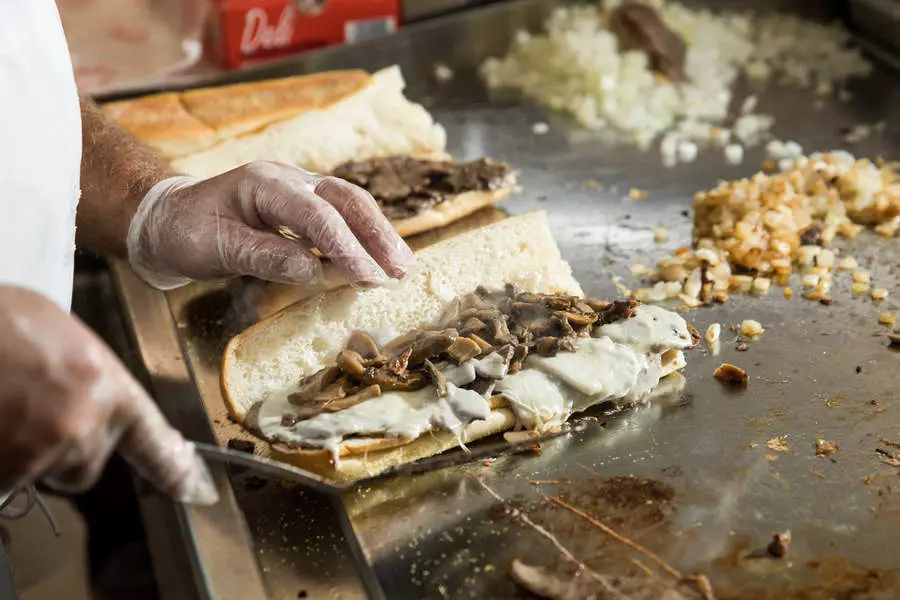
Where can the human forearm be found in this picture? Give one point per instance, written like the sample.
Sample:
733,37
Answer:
116,173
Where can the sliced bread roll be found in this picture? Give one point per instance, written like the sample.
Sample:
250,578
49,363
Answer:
163,123
315,122
374,120
301,339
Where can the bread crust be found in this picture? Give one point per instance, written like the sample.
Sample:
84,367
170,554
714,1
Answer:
162,122
178,124
448,211
374,461
235,110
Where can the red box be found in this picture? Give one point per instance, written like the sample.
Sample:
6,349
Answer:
246,31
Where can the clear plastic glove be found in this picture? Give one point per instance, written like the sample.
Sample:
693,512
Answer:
228,225
67,403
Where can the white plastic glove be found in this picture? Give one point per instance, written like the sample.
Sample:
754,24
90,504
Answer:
188,229
67,403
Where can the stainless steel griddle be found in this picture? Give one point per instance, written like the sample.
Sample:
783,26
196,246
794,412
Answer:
691,479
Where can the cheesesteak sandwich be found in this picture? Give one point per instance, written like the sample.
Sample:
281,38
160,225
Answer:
489,335
357,126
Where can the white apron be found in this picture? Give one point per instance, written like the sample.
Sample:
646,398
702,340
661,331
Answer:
40,150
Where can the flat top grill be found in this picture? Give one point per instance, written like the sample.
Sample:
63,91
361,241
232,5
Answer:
689,479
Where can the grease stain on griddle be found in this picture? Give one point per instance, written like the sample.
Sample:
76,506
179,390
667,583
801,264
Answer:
744,572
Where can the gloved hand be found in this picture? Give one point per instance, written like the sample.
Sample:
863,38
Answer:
189,229
67,403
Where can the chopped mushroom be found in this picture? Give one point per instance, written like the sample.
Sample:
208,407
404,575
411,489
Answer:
730,374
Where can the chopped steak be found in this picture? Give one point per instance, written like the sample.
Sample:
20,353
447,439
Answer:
638,26
403,186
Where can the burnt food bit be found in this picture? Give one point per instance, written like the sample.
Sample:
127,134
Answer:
825,447
242,445
638,26
404,186
812,235
780,544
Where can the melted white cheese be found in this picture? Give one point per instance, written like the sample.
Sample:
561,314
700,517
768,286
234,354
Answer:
599,367
622,361
492,366
651,329
539,402
460,375
393,414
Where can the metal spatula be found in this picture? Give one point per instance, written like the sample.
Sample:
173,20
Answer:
273,468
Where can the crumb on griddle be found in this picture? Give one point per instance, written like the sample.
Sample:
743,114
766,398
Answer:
741,347
732,375
780,544
242,445
778,444
825,447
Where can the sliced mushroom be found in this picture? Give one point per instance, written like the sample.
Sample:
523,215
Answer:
463,349
437,378
351,363
499,330
511,289
366,393
311,386
547,346
578,319
400,344
473,302
482,343
473,325
583,307
363,345
389,381
335,391
431,344
520,353
597,306
619,310
557,303
564,326
450,315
